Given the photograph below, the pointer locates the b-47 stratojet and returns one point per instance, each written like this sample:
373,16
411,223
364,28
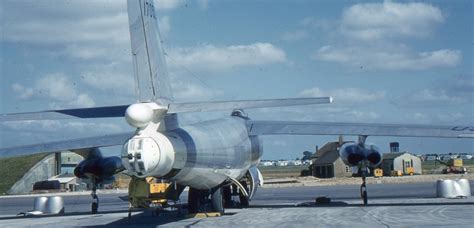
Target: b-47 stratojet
214,158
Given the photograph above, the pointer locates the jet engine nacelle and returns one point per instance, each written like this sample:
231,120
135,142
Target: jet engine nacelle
353,154
150,155
99,169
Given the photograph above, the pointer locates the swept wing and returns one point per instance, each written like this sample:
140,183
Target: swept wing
372,129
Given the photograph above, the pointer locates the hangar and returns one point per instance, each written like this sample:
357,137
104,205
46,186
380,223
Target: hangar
403,162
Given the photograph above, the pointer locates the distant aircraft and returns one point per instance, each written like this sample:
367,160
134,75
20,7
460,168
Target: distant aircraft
209,157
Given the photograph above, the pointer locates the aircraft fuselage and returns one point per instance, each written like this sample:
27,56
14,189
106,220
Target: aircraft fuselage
201,155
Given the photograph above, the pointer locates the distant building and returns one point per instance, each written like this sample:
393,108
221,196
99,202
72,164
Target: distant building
326,162
69,161
69,182
400,161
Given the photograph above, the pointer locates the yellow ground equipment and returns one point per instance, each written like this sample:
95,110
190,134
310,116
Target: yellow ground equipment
410,171
378,172
147,193
453,165
397,173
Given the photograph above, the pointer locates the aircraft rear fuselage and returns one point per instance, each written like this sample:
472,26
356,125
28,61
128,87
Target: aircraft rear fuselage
201,155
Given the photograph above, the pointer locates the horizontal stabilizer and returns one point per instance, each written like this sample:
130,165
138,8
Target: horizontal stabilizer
97,112
243,104
369,129
72,144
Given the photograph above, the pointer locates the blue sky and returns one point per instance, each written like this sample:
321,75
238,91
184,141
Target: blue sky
386,62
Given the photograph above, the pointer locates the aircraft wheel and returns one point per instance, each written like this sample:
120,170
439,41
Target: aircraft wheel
227,195
194,198
217,202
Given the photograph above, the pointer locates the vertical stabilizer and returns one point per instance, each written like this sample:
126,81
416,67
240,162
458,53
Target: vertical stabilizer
151,74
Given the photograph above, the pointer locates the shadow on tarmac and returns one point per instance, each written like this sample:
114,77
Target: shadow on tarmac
344,204
65,214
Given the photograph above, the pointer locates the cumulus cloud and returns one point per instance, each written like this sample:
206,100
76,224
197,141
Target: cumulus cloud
222,58
169,4
58,88
430,96
372,35
388,58
187,91
370,21
164,25
22,92
50,30
451,91
345,95
109,78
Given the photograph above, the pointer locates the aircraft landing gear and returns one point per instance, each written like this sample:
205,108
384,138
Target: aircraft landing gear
95,200
205,200
363,189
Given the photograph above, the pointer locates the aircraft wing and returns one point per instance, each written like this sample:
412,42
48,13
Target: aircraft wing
368,129
72,144
97,112
119,110
243,104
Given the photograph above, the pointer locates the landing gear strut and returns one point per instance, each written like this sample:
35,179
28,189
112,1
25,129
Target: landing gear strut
363,190
205,200
95,200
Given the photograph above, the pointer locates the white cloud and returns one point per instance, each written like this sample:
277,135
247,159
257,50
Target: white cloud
187,91
377,58
58,88
345,95
107,78
370,21
203,4
213,58
22,92
448,91
164,25
432,96
371,35
295,35
105,28
169,4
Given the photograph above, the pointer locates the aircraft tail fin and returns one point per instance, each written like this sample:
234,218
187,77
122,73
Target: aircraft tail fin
151,74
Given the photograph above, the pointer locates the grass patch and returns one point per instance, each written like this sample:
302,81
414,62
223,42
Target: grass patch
12,169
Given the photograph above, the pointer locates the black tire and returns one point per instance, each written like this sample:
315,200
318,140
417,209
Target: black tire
194,199
217,202
364,196
94,207
227,194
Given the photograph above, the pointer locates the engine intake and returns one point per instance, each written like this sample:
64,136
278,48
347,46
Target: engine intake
99,168
353,154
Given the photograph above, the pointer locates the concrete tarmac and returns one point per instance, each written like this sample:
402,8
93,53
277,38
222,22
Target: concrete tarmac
390,205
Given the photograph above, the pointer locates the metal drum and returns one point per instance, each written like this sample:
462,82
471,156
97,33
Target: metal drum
40,203
453,188
55,205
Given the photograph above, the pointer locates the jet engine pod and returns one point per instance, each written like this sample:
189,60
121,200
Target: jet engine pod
352,153
373,155
99,168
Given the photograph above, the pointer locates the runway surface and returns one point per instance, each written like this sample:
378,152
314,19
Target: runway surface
390,205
